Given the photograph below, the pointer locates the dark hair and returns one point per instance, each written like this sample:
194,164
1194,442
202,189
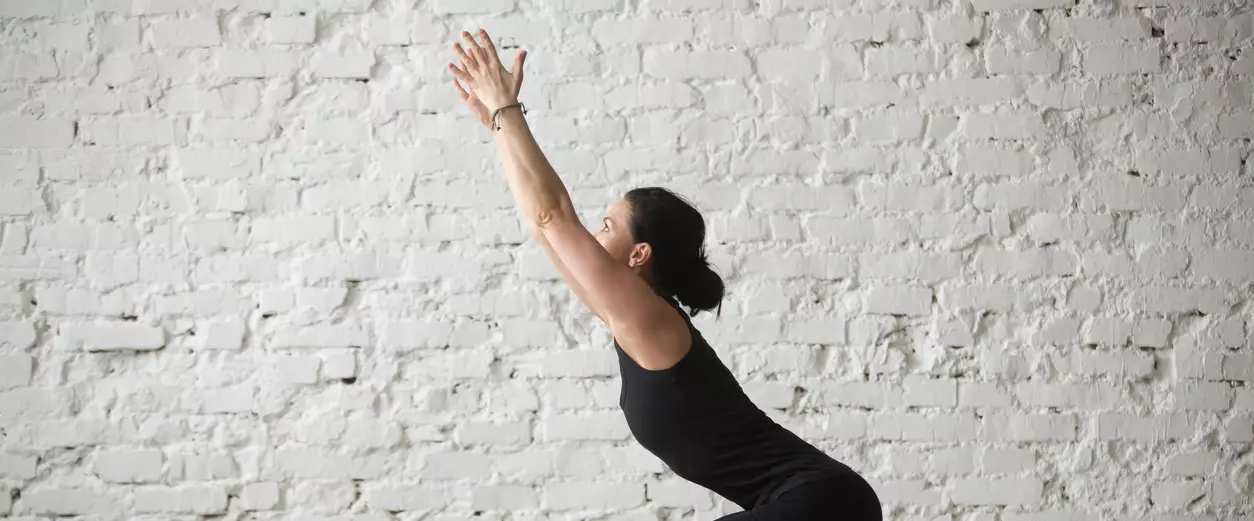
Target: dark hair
676,232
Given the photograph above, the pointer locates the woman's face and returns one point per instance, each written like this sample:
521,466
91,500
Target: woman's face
614,234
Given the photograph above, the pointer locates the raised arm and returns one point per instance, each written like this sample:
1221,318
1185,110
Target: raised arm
477,107
611,290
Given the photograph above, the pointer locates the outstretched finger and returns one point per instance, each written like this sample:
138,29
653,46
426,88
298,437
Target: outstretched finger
490,49
473,48
467,58
460,73
460,91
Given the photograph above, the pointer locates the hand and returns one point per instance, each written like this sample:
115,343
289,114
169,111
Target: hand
489,85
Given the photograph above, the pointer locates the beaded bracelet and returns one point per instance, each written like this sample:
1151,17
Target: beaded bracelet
496,126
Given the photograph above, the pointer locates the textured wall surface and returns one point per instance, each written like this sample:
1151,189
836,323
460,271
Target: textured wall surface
257,261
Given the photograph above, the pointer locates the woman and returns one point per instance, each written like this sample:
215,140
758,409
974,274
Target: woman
681,403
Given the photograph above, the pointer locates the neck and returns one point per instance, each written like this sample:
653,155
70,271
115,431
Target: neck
647,275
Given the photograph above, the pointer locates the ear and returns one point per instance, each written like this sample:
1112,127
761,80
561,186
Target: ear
641,252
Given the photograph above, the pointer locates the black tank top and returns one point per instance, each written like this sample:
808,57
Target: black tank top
695,417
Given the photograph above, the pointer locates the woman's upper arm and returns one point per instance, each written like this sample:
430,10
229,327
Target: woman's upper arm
624,300
611,290
577,288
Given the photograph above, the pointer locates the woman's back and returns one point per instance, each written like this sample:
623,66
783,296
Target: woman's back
695,417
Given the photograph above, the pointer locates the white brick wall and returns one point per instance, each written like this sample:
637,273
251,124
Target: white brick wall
257,261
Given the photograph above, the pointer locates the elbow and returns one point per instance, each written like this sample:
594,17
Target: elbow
544,218
548,217
536,226
553,209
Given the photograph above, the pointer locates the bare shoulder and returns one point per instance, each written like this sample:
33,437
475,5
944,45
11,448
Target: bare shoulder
657,338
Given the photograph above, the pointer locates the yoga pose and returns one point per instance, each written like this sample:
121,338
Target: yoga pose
681,403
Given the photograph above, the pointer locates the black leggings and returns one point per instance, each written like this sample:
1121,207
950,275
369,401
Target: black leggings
843,497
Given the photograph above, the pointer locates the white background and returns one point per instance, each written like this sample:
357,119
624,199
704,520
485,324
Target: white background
257,260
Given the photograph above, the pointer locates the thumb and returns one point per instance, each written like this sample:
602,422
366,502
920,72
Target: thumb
517,72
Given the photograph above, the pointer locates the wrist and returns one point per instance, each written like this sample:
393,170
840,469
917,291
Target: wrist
502,102
506,111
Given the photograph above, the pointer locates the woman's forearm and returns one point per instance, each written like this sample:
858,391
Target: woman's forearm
538,191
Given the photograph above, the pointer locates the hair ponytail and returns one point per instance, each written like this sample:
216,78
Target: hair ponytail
701,290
